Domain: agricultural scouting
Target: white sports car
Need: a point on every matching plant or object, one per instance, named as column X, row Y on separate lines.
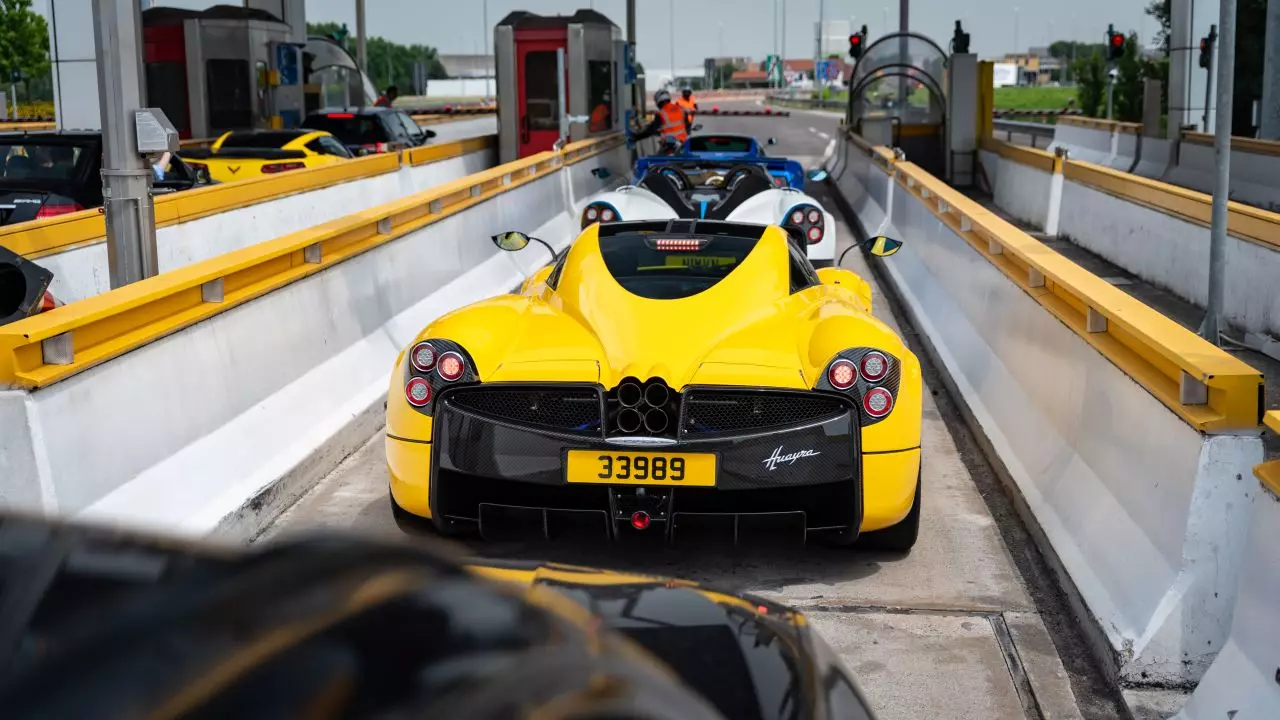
column 742, row 192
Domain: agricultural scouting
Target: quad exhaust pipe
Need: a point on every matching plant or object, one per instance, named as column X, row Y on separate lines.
column 629, row 419
column 630, row 394
column 655, row 421
column 643, row 406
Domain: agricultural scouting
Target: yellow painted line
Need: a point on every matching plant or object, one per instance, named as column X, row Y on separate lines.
column 1246, row 144
column 1148, row 346
column 113, row 323
column 40, row 238
column 1243, row 221
column 1031, row 157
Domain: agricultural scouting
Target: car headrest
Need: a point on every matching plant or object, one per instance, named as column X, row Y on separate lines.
column 665, row 188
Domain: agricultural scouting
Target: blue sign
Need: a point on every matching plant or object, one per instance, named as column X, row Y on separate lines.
column 629, row 64
column 828, row 70
column 287, row 63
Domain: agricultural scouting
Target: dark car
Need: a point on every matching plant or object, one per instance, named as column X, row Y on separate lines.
column 104, row 625
column 369, row 130
column 46, row 174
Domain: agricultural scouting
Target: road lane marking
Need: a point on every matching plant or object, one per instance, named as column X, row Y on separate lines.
column 824, row 136
column 813, row 130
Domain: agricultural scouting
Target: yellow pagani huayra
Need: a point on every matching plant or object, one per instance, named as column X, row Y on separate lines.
column 658, row 376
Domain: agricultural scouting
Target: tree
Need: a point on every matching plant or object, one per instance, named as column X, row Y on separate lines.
column 24, row 42
column 1090, row 73
column 1162, row 11
column 389, row 63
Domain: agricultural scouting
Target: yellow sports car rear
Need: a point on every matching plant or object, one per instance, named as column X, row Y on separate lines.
column 254, row 153
column 659, row 376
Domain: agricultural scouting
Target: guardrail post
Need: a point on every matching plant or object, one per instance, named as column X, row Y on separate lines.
column 1035, row 278
column 211, row 291
column 1191, row 391
column 58, row 350
column 384, row 226
column 994, row 247
column 311, row 253
column 1095, row 322
column 475, row 191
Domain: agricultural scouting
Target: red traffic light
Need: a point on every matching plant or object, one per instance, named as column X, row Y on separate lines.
column 855, row 39
column 1117, row 40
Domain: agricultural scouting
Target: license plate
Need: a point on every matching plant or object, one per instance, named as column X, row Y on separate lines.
column 641, row 468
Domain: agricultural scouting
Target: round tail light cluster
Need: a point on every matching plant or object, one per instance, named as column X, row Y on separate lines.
column 424, row 359
column 866, row 374
column 418, row 392
column 810, row 221
column 599, row 213
column 842, row 374
column 875, row 366
column 878, row 402
column 451, row 366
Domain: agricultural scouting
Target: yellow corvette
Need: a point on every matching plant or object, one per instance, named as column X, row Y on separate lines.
column 244, row 154
column 658, row 376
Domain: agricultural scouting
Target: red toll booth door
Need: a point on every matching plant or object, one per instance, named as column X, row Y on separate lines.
column 539, row 102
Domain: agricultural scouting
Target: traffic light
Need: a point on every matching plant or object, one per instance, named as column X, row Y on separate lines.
column 960, row 41
column 1115, row 44
column 1206, row 47
column 855, row 44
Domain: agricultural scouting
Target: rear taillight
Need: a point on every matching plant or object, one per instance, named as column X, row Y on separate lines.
column 842, row 374
column 779, row 181
column 874, row 366
column 878, row 402
column 49, row 210
column 417, row 392
column 809, row 221
column 273, row 168
column 341, row 116
column 678, row 244
column 450, row 366
column 599, row 212
column 422, row 357
column 373, row 148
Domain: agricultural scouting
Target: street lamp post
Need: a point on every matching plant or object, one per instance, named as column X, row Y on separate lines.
column 671, row 38
column 361, row 53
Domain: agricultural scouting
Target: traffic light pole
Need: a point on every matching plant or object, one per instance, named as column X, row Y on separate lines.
column 126, row 176
column 1111, row 90
column 1211, row 329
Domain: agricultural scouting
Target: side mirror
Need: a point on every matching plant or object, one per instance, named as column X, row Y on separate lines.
column 771, row 141
column 816, row 175
column 511, row 241
column 882, row 245
column 697, row 127
column 601, row 172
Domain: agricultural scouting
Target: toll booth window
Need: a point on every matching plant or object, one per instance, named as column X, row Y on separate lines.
column 230, row 98
column 540, row 97
column 167, row 88
column 600, row 95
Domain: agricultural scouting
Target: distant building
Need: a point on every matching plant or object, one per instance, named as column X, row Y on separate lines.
column 468, row 66
column 1035, row 67
column 749, row 79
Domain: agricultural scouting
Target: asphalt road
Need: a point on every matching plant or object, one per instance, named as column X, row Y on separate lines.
column 965, row 626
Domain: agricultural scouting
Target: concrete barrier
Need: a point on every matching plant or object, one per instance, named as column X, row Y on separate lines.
column 1244, row 681
column 1154, row 157
column 207, row 399
column 1085, row 138
column 1255, row 165
column 1023, row 182
column 1127, row 140
column 1160, row 233
column 204, row 223
column 1124, row 436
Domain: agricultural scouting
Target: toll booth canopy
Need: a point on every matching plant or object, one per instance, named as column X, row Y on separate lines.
column 525, row 50
column 235, row 68
column 896, row 98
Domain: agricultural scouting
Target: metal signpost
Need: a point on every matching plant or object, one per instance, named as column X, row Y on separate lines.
column 1211, row 329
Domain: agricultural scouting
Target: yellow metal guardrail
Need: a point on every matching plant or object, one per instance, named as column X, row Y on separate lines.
column 65, row 232
column 1269, row 472
column 1101, row 124
column 41, row 350
column 1243, row 144
column 1211, row 390
column 1031, row 157
column 1243, row 221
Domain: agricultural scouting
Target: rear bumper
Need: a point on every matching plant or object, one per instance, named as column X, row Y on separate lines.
column 490, row 476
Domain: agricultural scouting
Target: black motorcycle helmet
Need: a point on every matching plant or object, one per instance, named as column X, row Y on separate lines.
column 314, row 629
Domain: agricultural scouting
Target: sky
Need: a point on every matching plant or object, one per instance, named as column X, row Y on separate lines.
column 457, row 26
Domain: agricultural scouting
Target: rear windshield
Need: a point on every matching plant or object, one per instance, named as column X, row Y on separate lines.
column 350, row 128
column 26, row 161
column 641, row 266
column 715, row 143
column 269, row 139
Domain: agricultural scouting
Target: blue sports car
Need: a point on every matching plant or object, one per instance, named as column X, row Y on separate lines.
column 727, row 150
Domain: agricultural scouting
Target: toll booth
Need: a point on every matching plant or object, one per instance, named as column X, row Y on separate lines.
column 597, row 66
column 235, row 68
